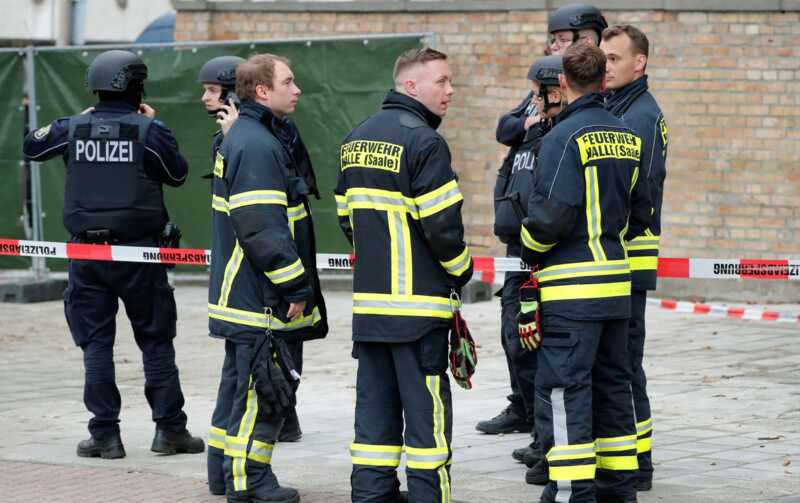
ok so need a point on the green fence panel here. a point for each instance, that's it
(12, 190)
(342, 82)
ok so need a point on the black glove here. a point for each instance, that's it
(275, 394)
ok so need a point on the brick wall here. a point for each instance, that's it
(729, 85)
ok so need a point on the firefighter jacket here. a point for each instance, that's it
(513, 187)
(117, 161)
(263, 256)
(638, 109)
(586, 186)
(399, 204)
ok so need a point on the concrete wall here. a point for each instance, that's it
(728, 81)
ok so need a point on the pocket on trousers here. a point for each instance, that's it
(166, 310)
(433, 353)
(70, 314)
(556, 358)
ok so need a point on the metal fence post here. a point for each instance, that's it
(38, 264)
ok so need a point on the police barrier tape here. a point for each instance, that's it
(695, 268)
(741, 313)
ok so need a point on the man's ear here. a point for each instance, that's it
(641, 62)
(411, 88)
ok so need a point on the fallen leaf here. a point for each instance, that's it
(787, 462)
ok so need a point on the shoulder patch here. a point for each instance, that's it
(411, 121)
(41, 133)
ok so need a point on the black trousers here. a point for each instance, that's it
(641, 402)
(91, 302)
(402, 399)
(226, 394)
(521, 362)
(584, 414)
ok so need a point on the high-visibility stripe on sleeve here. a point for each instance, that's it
(218, 203)
(646, 263)
(288, 273)
(458, 265)
(643, 243)
(591, 291)
(341, 205)
(296, 213)
(529, 242)
(375, 455)
(437, 200)
(257, 197)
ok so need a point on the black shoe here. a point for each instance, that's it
(529, 455)
(109, 448)
(617, 499)
(290, 431)
(166, 442)
(539, 475)
(277, 495)
(216, 491)
(643, 485)
(507, 421)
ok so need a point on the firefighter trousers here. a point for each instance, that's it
(641, 402)
(584, 411)
(397, 382)
(521, 362)
(248, 436)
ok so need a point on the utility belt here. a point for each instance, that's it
(169, 237)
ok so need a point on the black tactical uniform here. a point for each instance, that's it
(639, 110)
(117, 161)
(263, 259)
(399, 203)
(586, 186)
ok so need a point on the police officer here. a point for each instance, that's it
(117, 158)
(399, 204)
(263, 269)
(573, 23)
(627, 49)
(218, 78)
(586, 185)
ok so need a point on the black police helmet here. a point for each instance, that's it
(577, 16)
(220, 70)
(546, 70)
(114, 71)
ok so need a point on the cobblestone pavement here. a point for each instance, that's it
(725, 393)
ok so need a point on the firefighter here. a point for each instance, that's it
(586, 186)
(399, 203)
(263, 281)
(117, 158)
(627, 49)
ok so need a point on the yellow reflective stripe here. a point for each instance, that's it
(231, 270)
(219, 203)
(634, 179)
(644, 263)
(593, 213)
(438, 199)
(381, 200)
(458, 265)
(433, 384)
(577, 292)
(256, 319)
(375, 455)
(401, 260)
(583, 269)
(645, 426)
(257, 197)
(216, 437)
(616, 444)
(402, 305)
(295, 213)
(235, 447)
(644, 445)
(529, 242)
(580, 472)
(260, 452)
(219, 166)
(285, 274)
(643, 243)
(341, 205)
(246, 426)
(570, 452)
(617, 462)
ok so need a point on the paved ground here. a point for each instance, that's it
(725, 395)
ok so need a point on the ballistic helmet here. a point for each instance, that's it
(577, 16)
(220, 70)
(113, 71)
(546, 70)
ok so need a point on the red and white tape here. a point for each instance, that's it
(741, 313)
(694, 268)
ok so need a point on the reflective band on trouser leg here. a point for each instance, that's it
(375, 455)
(236, 447)
(572, 461)
(434, 383)
(617, 453)
(644, 436)
(216, 438)
(260, 452)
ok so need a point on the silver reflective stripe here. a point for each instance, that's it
(427, 458)
(401, 251)
(560, 437)
(239, 200)
(298, 212)
(459, 265)
(438, 199)
(601, 444)
(591, 202)
(261, 451)
(341, 205)
(555, 451)
(646, 425)
(216, 436)
(227, 279)
(392, 304)
(644, 241)
(394, 456)
(622, 268)
(373, 198)
(293, 271)
(254, 318)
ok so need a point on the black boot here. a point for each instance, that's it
(290, 431)
(278, 495)
(167, 442)
(529, 455)
(508, 421)
(108, 448)
(539, 475)
(617, 499)
(644, 484)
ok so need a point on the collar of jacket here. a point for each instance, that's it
(278, 127)
(396, 100)
(593, 100)
(114, 106)
(617, 102)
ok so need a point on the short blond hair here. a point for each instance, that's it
(414, 57)
(258, 70)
